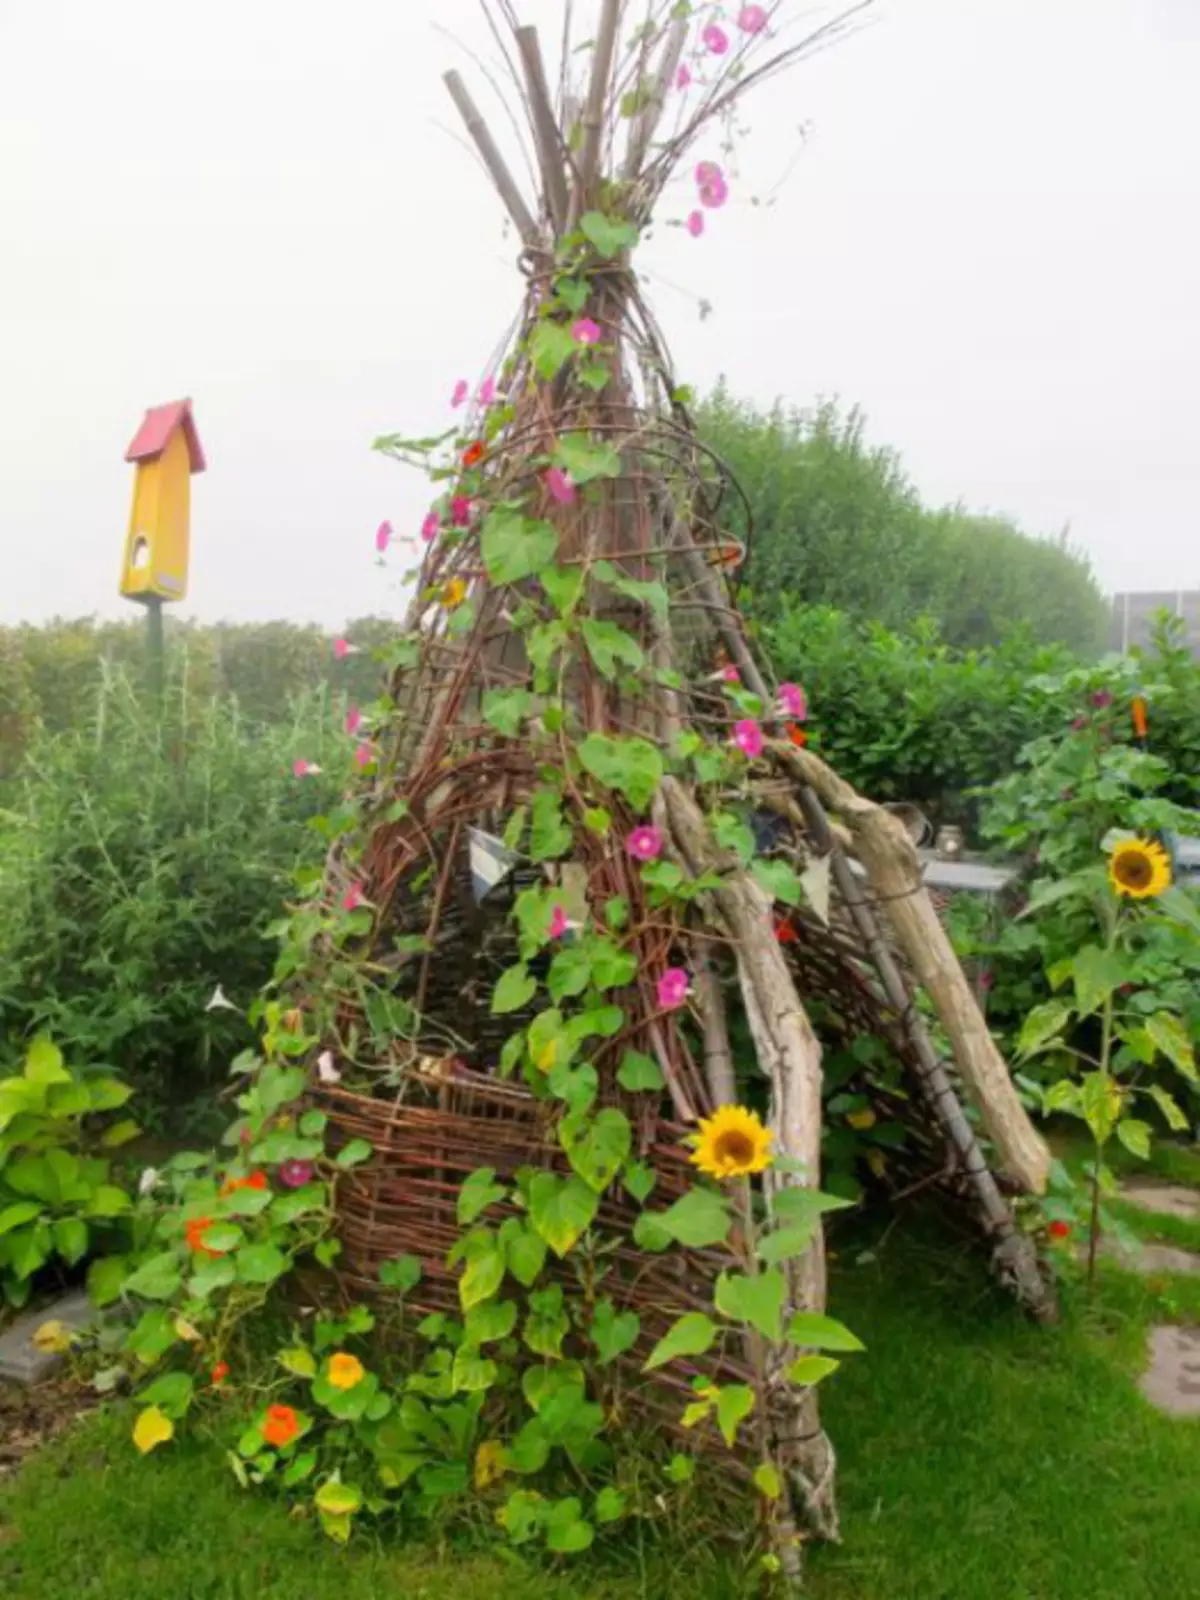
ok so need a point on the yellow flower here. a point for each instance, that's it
(489, 1463)
(732, 1143)
(454, 592)
(345, 1371)
(861, 1120)
(152, 1428)
(1139, 868)
(52, 1339)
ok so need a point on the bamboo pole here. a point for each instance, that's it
(646, 123)
(495, 163)
(541, 110)
(597, 101)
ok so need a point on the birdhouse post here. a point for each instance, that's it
(165, 451)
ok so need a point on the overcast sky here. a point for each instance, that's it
(989, 242)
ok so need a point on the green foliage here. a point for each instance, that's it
(144, 862)
(837, 523)
(58, 1200)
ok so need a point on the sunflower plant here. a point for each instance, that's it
(1104, 1031)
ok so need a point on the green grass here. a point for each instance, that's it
(982, 1458)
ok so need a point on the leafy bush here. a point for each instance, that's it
(837, 522)
(144, 859)
(57, 1199)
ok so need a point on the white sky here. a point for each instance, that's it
(990, 242)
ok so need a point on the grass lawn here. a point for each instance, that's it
(982, 1458)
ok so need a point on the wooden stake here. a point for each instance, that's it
(597, 102)
(492, 159)
(541, 110)
(646, 124)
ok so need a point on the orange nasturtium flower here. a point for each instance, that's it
(345, 1371)
(256, 1180)
(219, 1373)
(474, 455)
(280, 1426)
(796, 734)
(194, 1232)
(785, 930)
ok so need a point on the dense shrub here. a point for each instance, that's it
(142, 859)
(836, 522)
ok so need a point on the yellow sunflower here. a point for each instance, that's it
(732, 1143)
(345, 1371)
(1139, 868)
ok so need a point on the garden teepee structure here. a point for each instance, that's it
(577, 726)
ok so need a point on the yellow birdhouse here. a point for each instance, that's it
(165, 451)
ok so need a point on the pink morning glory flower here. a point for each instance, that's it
(558, 923)
(672, 988)
(353, 898)
(695, 224)
(487, 391)
(730, 674)
(383, 536)
(586, 332)
(343, 648)
(752, 19)
(793, 702)
(429, 528)
(747, 735)
(353, 720)
(645, 843)
(714, 191)
(683, 77)
(715, 39)
(305, 769)
(560, 486)
(364, 755)
(295, 1174)
(461, 390)
(460, 511)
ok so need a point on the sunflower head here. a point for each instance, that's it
(732, 1143)
(1139, 869)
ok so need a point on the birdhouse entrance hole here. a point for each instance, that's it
(140, 558)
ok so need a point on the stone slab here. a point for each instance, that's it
(1168, 1199)
(20, 1359)
(1148, 1258)
(1172, 1380)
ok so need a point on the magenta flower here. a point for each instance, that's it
(645, 843)
(695, 224)
(305, 769)
(461, 390)
(747, 735)
(383, 536)
(295, 1174)
(715, 39)
(364, 754)
(586, 332)
(1079, 724)
(560, 486)
(683, 77)
(429, 528)
(487, 391)
(1102, 699)
(714, 193)
(353, 898)
(558, 923)
(343, 648)
(752, 19)
(730, 674)
(460, 511)
(672, 988)
(793, 702)
(353, 720)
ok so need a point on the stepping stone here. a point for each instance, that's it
(20, 1359)
(1167, 1199)
(1148, 1258)
(1172, 1380)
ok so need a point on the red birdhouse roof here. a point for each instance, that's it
(158, 425)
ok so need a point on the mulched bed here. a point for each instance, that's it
(31, 1417)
